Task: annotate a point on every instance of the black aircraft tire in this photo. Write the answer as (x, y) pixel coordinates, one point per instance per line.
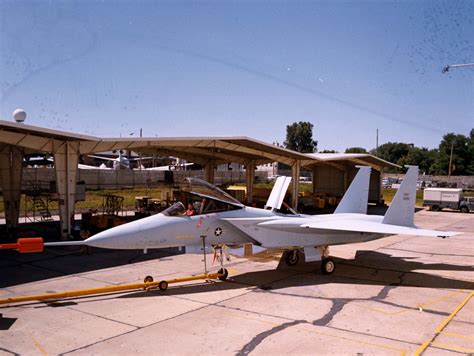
(464, 209)
(292, 257)
(225, 274)
(163, 285)
(148, 279)
(328, 266)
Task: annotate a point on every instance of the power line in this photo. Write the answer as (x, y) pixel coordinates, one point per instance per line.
(449, 66)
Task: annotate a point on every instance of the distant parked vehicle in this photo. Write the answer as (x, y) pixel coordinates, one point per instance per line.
(272, 178)
(453, 198)
(386, 183)
(391, 182)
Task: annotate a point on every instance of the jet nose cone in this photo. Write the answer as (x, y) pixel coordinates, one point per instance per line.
(137, 234)
(120, 237)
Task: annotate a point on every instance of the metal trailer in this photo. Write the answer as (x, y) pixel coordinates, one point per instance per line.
(440, 198)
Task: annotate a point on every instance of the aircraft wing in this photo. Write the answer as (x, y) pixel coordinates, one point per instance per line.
(139, 158)
(376, 228)
(102, 158)
(170, 167)
(86, 166)
(240, 232)
(349, 224)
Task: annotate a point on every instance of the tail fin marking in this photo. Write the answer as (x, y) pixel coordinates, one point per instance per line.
(402, 210)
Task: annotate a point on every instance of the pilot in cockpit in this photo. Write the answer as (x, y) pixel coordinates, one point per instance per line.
(190, 211)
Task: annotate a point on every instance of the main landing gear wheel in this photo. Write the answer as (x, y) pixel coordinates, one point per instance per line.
(328, 266)
(224, 272)
(464, 209)
(163, 285)
(148, 279)
(292, 257)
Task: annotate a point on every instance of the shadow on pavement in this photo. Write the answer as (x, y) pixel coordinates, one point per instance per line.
(25, 268)
(368, 268)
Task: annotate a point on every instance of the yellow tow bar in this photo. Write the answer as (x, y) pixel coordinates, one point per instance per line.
(147, 285)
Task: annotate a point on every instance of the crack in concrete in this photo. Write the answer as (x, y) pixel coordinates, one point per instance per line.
(146, 326)
(8, 351)
(259, 338)
(339, 303)
(130, 331)
(337, 306)
(103, 317)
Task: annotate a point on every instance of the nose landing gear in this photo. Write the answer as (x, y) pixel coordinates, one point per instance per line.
(224, 274)
(219, 253)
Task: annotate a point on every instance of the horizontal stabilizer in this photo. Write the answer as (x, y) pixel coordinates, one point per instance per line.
(356, 198)
(278, 193)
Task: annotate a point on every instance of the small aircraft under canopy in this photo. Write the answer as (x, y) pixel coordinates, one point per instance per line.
(208, 217)
(121, 161)
(46, 160)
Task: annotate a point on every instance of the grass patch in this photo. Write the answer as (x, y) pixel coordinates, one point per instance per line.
(389, 193)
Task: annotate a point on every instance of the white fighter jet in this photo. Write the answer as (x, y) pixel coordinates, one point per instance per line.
(208, 217)
(121, 161)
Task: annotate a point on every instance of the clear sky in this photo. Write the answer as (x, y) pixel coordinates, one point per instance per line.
(179, 68)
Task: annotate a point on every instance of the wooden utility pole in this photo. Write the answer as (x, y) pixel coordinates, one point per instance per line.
(450, 159)
(377, 143)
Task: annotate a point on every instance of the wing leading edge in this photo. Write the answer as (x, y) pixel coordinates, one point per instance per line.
(354, 225)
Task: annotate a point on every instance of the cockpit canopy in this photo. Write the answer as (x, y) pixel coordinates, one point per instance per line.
(200, 197)
(206, 190)
(176, 209)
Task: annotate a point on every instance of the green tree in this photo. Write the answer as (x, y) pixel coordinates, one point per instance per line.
(435, 161)
(299, 137)
(392, 151)
(470, 158)
(461, 156)
(421, 157)
(356, 150)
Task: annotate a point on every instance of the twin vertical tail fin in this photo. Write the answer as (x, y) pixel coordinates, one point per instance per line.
(356, 198)
(402, 210)
(278, 193)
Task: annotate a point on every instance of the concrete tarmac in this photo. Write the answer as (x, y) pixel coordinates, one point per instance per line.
(394, 296)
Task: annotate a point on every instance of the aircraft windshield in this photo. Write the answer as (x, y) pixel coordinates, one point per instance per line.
(176, 209)
(204, 189)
